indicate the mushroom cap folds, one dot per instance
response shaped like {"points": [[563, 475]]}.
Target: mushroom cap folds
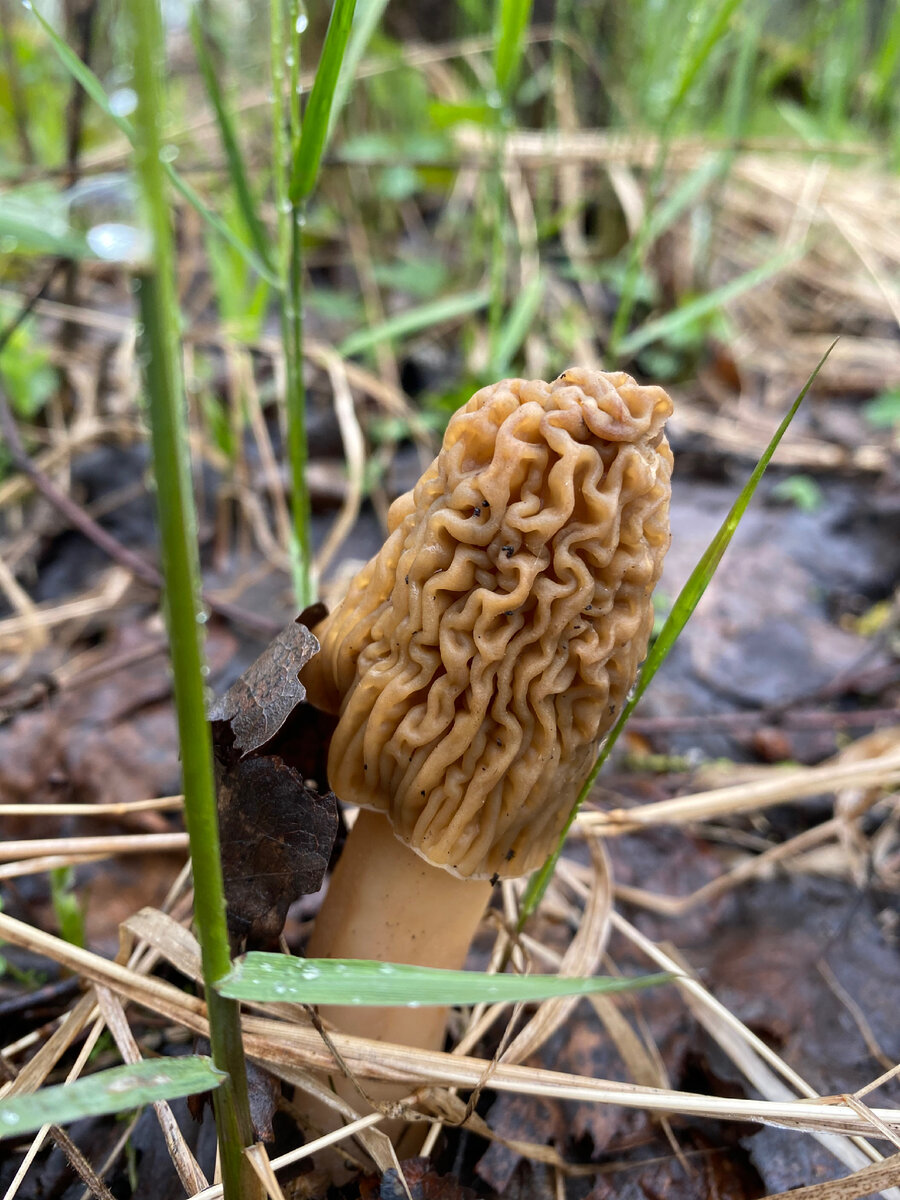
{"points": [[480, 656]]}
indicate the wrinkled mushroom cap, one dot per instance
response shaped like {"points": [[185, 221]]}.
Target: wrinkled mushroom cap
{"points": [[478, 659]]}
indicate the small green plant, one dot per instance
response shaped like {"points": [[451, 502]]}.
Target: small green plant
{"points": [[800, 490], [28, 374], [67, 905], [884, 411]]}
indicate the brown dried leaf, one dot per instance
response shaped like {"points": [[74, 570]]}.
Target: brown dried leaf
{"points": [[423, 1183], [277, 836], [264, 1091], [258, 704], [706, 1169]]}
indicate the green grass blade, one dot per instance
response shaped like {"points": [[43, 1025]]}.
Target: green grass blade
{"points": [[512, 21], [366, 20], [414, 320], [83, 75], [160, 355], [35, 227], [688, 599], [113, 1091], [884, 71], [215, 222], [271, 977], [674, 322], [318, 111], [230, 144], [697, 52], [515, 328], [689, 190]]}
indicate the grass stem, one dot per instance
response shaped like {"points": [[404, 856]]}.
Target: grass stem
{"points": [[177, 522], [297, 445]]}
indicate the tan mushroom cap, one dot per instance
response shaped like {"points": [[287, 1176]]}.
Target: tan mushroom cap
{"points": [[478, 659]]}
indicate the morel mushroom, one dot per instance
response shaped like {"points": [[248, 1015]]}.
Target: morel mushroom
{"points": [[478, 659]]}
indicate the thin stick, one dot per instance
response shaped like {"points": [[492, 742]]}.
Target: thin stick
{"points": [[788, 785], [119, 808], [124, 843], [189, 1172]]}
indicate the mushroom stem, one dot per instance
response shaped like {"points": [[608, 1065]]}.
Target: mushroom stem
{"points": [[384, 902]]}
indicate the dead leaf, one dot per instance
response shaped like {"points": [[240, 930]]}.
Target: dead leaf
{"points": [[277, 835], [714, 1171], [423, 1182], [258, 704], [277, 830], [264, 1091]]}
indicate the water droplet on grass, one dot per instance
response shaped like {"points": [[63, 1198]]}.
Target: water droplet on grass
{"points": [[123, 102], [120, 1085], [116, 242]]}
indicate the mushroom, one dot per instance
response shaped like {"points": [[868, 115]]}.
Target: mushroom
{"points": [[478, 659]]}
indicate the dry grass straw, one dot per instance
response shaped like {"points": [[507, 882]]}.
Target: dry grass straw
{"points": [[858, 775], [88, 1017], [275, 1042], [282, 1039], [785, 784], [110, 844]]}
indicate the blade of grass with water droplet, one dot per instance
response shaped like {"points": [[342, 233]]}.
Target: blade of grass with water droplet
{"points": [[698, 49], [83, 75], [276, 977], [688, 599], [314, 133], [113, 1091]]}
